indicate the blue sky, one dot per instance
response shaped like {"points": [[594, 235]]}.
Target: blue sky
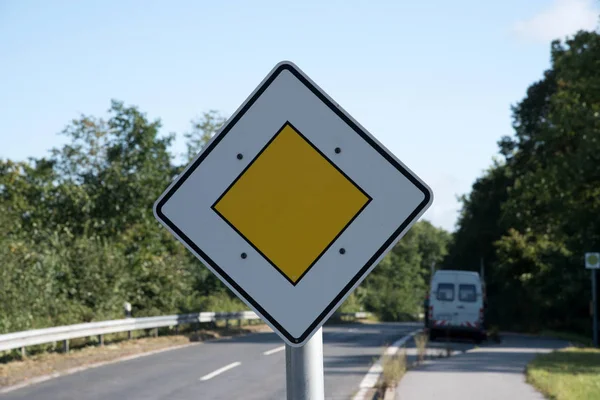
{"points": [[432, 80]]}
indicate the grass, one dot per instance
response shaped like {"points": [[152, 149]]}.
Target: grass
{"points": [[567, 374], [421, 341], [394, 367]]}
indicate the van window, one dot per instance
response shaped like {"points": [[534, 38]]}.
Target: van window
{"points": [[467, 293], [445, 292]]}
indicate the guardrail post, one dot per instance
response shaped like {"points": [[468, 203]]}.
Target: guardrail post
{"points": [[226, 324], [101, 339], [23, 352], [239, 323], [177, 329], [127, 311], [66, 345], [155, 332]]}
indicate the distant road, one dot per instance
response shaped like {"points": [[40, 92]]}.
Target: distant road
{"points": [[249, 367], [490, 372]]}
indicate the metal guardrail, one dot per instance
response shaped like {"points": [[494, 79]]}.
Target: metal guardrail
{"points": [[20, 340], [357, 315]]}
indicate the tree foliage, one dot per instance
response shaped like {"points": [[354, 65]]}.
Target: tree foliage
{"points": [[396, 287], [79, 238], [203, 129], [535, 213]]}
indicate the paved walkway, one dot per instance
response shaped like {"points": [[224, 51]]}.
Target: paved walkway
{"points": [[490, 372]]}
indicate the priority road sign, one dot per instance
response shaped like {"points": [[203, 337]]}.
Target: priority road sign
{"points": [[592, 260], [292, 203]]}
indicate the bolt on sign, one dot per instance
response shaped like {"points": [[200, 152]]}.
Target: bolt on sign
{"points": [[292, 203]]}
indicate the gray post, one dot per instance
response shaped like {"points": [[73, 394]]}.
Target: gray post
{"points": [[304, 370], [23, 352], [594, 309], [66, 345], [101, 340]]}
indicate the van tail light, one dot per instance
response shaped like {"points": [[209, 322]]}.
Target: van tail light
{"points": [[481, 315], [430, 312]]}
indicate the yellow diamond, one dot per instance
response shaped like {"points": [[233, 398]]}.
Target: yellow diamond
{"points": [[291, 203]]}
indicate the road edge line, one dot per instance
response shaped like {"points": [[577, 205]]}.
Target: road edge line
{"points": [[372, 377]]}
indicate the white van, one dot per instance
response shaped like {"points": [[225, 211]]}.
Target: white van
{"points": [[456, 304]]}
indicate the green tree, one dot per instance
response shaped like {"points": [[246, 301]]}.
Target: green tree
{"points": [[534, 214], [203, 129], [397, 286]]}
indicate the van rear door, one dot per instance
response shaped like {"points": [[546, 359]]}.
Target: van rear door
{"points": [[469, 303], [444, 297]]}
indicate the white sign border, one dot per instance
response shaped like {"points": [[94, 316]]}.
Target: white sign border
{"points": [[363, 273]]}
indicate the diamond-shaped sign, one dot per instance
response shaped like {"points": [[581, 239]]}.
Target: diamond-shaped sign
{"points": [[292, 203]]}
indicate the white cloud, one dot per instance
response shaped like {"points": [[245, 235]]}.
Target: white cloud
{"points": [[562, 18]]}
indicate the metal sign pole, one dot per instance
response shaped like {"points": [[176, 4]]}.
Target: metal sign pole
{"points": [[304, 369], [594, 309]]}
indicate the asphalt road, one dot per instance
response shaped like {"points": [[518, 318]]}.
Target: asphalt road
{"points": [[248, 367], [489, 372]]}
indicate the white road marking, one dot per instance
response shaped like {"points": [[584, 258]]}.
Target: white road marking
{"points": [[372, 376], [220, 371], [273, 351]]}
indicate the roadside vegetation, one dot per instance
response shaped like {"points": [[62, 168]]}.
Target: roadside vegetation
{"points": [[78, 238], [536, 210], [393, 367], [421, 341], [568, 374]]}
